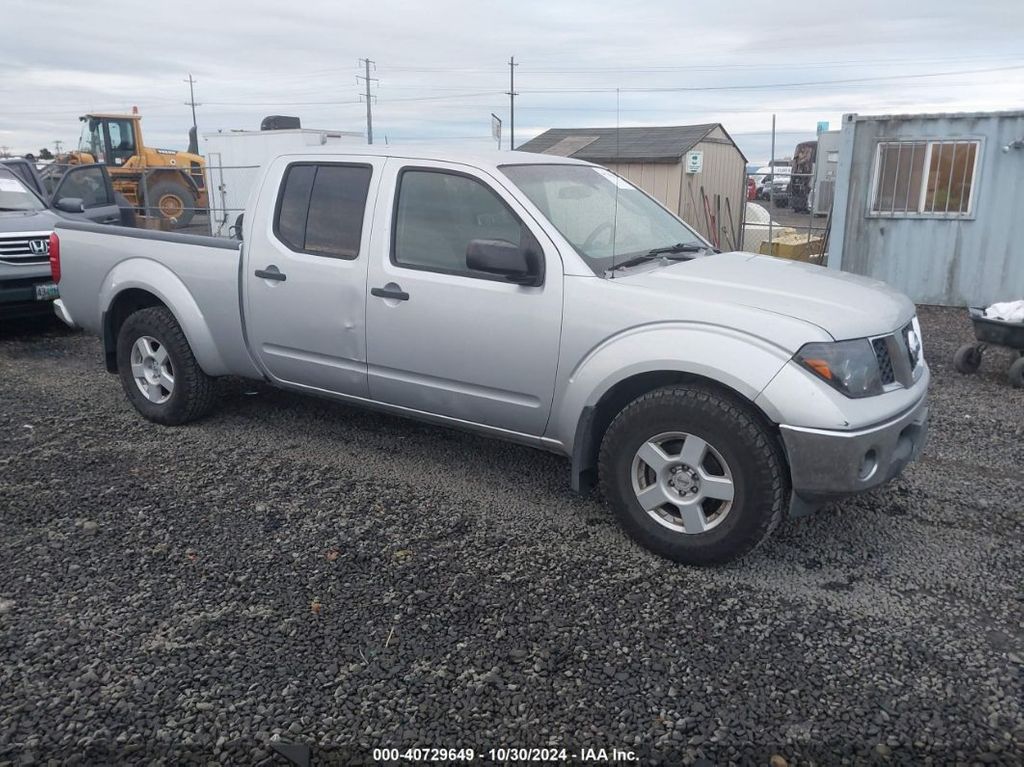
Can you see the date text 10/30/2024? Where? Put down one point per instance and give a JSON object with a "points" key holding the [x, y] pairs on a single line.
{"points": [[502, 754]]}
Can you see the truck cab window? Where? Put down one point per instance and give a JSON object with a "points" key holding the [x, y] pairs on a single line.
{"points": [[438, 214], [321, 209]]}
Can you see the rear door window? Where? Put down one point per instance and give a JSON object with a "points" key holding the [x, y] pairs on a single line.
{"points": [[321, 207]]}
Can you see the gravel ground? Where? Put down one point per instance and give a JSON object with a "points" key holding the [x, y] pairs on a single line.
{"points": [[351, 580]]}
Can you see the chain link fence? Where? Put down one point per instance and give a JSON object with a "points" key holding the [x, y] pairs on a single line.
{"points": [[789, 202], [202, 200]]}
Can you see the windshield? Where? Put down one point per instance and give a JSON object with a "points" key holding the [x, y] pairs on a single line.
{"points": [[14, 195], [604, 217]]}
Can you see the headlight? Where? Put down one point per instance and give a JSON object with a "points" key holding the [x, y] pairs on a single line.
{"points": [[848, 366]]}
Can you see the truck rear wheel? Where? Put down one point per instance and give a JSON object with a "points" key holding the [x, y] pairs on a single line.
{"points": [[172, 201], [693, 476], [158, 371]]}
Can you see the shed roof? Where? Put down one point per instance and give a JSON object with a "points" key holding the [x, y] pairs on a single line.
{"points": [[646, 144]]}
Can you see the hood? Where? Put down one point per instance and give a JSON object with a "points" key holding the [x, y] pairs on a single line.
{"points": [[843, 305], [27, 220]]}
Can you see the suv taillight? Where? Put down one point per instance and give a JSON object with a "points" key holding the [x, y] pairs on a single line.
{"points": [[55, 257]]}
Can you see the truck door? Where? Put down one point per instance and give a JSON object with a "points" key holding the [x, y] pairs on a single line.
{"points": [[441, 337], [120, 139], [89, 184], [305, 272]]}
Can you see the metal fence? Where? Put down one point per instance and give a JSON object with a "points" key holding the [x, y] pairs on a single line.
{"points": [[789, 205], [790, 218], [208, 200]]}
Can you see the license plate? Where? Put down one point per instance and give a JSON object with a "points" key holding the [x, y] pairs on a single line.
{"points": [[46, 292]]}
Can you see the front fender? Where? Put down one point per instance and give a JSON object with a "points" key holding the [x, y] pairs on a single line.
{"points": [[153, 277], [739, 361]]}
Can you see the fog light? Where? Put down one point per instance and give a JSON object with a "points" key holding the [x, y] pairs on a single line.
{"points": [[868, 465]]}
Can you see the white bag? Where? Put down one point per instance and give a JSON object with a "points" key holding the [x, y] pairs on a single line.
{"points": [[1008, 311]]}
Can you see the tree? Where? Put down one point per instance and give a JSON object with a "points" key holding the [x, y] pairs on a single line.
{"points": [[45, 154]]}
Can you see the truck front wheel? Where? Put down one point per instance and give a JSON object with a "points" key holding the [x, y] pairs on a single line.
{"points": [[158, 371], [692, 475], [172, 202]]}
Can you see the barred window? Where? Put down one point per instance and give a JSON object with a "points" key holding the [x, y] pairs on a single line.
{"points": [[932, 178]]}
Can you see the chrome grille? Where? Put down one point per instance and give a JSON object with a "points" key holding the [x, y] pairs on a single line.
{"points": [[899, 355], [24, 249], [913, 350], [881, 347]]}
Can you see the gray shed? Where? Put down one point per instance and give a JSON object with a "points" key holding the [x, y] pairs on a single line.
{"points": [[933, 204], [657, 159]]}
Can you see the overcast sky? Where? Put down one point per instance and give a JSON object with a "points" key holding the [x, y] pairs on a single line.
{"points": [[442, 65]]}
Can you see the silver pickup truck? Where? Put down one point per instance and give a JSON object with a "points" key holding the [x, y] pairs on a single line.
{"points": [[535, 299]]}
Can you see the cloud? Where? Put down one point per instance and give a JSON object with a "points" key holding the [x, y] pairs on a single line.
{"points": [[442, 65]]}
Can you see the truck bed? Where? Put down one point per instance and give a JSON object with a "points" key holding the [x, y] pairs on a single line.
{"points": [[195, 275]]}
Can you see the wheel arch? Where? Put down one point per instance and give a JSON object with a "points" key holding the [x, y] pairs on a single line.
{"points": [[133, 285], [735, 363], [597, 417]]}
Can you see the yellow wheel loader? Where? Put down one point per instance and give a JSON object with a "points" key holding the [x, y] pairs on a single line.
{"points": [[160, 183]]}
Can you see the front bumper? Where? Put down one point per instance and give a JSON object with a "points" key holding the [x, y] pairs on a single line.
{"points": [[826, 464]]}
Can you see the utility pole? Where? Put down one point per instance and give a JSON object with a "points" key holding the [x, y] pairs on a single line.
{"points": [[512, 102], [771, 189], [58, 144], [192, 100], [369, 98]]}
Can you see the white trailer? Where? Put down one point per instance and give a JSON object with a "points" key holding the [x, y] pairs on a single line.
{"points": [[234, 159]]}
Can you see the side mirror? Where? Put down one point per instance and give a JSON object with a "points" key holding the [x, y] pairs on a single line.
{"points": [[70, 204], [504, 259], [235, 230]]}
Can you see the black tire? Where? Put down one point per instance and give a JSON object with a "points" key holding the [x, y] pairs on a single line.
{"points": [[967, 359], [1016, 373], [748, 447], [193, 394], [170, 188]]}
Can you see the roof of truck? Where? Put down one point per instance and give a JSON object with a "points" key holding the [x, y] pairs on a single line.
{"points": [[489, 158]]}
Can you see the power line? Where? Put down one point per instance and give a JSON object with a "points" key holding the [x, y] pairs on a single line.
{"points": [[703, 67], [764, 86], [452, 96], [763, 66], [277, 103]]}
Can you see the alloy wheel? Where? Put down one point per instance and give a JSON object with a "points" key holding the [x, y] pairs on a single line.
{"points": [[682, 482]]}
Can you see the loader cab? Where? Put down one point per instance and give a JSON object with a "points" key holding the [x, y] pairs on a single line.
{"points": [[111, 139]]}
